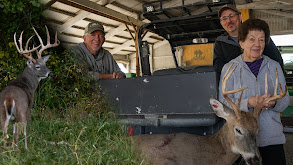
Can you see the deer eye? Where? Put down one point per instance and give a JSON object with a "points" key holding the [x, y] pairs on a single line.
{"points": [[238, 131], [38, 67]]}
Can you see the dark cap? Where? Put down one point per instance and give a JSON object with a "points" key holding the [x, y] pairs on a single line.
{"points": [[93, 26], [225, 7]]}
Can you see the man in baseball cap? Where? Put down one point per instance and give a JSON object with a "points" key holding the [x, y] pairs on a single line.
{"points": [[230, 19], [97, 62]]}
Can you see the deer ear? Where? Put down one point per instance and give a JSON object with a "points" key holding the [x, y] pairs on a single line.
{"points": [[29, 63], [221, 110], [46, 58]]}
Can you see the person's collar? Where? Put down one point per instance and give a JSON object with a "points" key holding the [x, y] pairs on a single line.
{"points": [[90, 51], [100, 53], [235, 39]]}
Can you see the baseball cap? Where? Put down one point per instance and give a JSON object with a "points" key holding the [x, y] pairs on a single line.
{"points": [[93, 26], [227, 6]]}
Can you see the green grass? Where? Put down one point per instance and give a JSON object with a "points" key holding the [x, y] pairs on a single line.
{"points": [[71, 137]]}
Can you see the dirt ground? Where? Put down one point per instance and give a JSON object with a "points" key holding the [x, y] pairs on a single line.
{"points": [[289, 148]]}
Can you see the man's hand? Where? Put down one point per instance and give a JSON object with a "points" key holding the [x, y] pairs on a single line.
{"points": [[114, 75], [117, 75]]}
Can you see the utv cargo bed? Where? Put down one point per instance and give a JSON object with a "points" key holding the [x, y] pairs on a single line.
{"points": [[178, 100]]}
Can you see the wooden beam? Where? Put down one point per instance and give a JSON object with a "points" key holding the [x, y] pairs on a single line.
{"points": [[95, 8], [161, 43], [81, 15], [121, 57], [48, 4], [129, 32], [266, 4], [199, 10], [115, 31], [126, 44], [118, 48], [282, 32], [279, 13]]}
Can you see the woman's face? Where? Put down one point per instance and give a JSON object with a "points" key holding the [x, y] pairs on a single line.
{"points": [[253, 45]]}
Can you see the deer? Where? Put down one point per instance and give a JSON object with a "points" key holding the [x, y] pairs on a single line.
{"points": [[17, 98], [236, 137]]}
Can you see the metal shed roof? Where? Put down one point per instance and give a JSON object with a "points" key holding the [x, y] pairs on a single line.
{"points": [[70, 17]]}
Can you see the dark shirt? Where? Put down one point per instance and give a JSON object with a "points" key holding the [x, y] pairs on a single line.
{"points": [[254, 66]]}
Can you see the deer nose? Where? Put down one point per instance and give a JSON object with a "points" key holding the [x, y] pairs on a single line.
{"points": [[50, 74], [254, 161]]}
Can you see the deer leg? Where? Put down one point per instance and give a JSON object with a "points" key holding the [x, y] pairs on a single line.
{"points": [[17, 129], [15, 135], [5, 129], [25, 133], [5, 136]]}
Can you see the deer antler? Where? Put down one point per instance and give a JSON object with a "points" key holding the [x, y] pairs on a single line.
{"points": [[225, 92], [56, 43], [26, 51], [275, 97]]}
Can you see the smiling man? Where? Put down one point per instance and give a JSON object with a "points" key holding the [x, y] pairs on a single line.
{"points": [[97, 62], [227, 47]]}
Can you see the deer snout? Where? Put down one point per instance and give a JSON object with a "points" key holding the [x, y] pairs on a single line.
{"points": [[50, 75], [253, 161]]}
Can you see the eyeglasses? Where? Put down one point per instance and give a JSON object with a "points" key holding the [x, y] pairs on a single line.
{"points": [[101, 36], [232, 15]]}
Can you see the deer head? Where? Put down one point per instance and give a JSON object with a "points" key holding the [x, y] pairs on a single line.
{"points": [[38, 66], [242, 125]]}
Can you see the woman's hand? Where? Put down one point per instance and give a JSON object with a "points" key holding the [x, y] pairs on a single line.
{"points": [[252, 101]]}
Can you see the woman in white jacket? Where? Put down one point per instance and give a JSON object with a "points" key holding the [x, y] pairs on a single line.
{"points": [[250, 72]]}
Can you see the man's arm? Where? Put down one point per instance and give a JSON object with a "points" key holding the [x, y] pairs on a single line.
{"points": [[218, 61], [117, 73]]}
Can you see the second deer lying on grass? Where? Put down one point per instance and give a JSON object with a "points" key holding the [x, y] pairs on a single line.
{"points": [[237, 136], [16, 100]]}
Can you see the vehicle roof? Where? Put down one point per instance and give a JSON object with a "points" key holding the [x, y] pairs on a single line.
{"points": [[182, 30]]}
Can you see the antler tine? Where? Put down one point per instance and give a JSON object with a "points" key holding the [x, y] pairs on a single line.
{"points": [[26, 45], [26, 51], [20, 40], [276, 96], [225, 92], [225, 79], [276, 84], [49, 45]]}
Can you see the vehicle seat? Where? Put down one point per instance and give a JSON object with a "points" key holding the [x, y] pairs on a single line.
{"points": [[186, 70]]}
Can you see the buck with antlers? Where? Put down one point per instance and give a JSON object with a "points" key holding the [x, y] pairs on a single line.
{"points": [[16, 100], [237, 136]]}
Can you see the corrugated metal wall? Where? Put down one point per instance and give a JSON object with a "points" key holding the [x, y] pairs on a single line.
{"points": [[278, 24]]}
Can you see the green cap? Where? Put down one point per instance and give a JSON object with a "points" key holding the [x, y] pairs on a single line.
{"points": [[227, 6], [93, 26]]}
